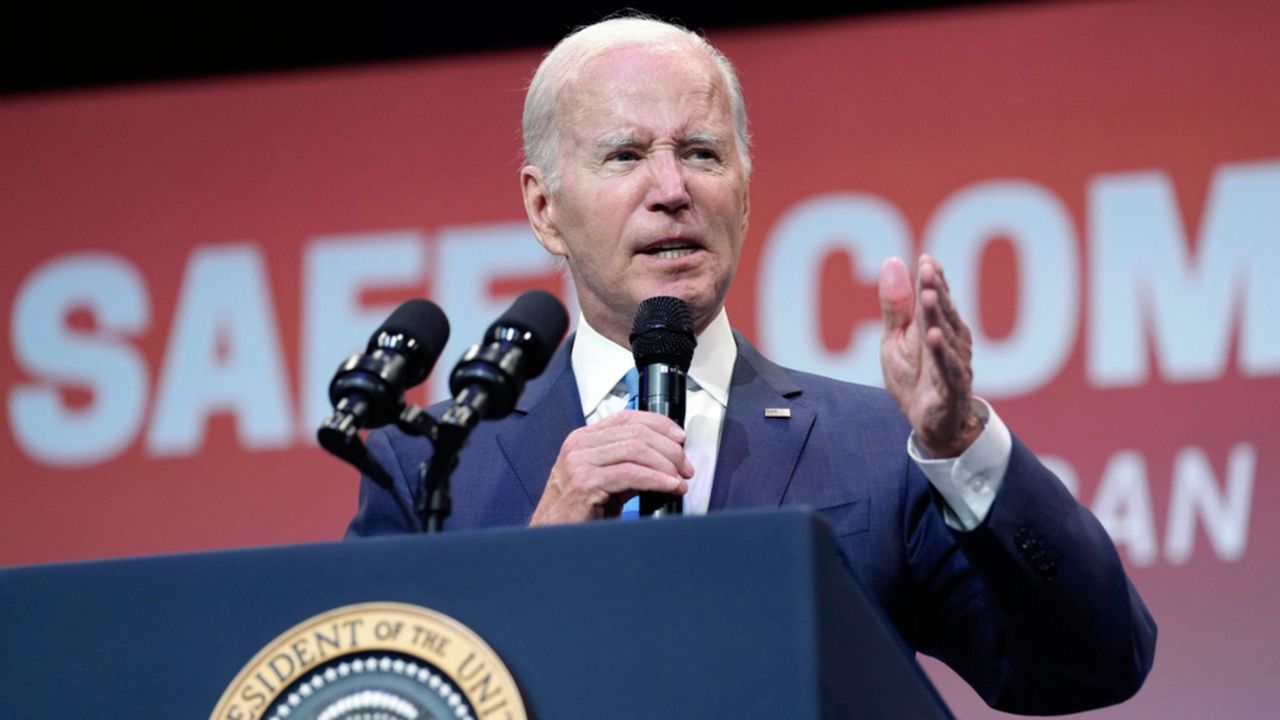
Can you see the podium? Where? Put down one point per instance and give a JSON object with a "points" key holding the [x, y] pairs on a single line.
{"points": [[734, 615]]}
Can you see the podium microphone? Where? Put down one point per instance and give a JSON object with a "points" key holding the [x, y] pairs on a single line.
{"points": [[368, 389], [489, 378], [485, 384], [662, 342]]}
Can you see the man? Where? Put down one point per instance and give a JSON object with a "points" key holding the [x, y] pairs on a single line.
{"points": [[637, 176]]}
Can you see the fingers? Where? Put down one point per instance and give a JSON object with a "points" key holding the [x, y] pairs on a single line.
{"points": [[629, 437], [939, 310], [651, 439], [953, 374], [607, 462], [940, 315], [899, 301], [622, 444], [897, 297], [947, 337], [658, 423]]}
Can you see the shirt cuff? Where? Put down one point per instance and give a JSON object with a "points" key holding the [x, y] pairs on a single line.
{"points": [[968, 483]]}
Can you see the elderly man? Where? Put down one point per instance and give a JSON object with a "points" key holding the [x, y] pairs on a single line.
{"points": [[637, 176]]}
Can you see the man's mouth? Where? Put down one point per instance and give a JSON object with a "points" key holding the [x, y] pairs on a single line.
{"points": [[672, 251]]}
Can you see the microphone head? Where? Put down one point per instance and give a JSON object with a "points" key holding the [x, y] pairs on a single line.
{"points": [[418, 329], [663, 333], [540, 322]]}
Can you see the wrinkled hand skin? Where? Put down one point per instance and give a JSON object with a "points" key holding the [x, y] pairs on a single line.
{"points": [[925, 353], [603, 465]]}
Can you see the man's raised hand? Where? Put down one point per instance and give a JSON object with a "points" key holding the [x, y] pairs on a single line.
{"points": [[925, 353]]}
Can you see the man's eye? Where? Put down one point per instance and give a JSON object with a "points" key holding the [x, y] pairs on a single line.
{"points": [[704, 154], [624, 156]]}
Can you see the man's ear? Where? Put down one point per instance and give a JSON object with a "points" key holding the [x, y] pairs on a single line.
{"points": [[540, 207]]}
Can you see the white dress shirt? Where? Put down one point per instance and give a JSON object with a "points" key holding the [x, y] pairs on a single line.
{"points": [[968, 483]]}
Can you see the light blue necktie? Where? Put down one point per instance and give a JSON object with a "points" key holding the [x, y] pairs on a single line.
{"points": [[631, 510]]}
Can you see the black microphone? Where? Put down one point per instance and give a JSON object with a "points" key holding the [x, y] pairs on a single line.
{"points": [[662, 342], [368, 389], [485, 384], [489, 378]]}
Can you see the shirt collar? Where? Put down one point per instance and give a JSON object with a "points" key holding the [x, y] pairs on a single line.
{"points": [[598, 362]]}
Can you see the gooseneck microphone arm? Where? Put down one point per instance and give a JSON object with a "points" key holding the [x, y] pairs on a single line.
{"points": [[368, 389]]}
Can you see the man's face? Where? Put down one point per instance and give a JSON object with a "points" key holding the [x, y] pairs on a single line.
{"points": [[652, 197]]}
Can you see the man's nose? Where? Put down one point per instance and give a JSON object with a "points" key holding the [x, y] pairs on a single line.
{"points": [[668, 193]]}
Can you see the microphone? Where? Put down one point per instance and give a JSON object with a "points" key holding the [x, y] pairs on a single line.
{"points": [[662, 342], [368, 389], [489, 378], [485, 384]]}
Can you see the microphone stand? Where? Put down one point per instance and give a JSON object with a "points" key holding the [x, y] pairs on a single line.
{"points": [[447, 436], [340, 437]]}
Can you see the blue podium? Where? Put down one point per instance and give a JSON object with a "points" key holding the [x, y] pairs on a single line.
{"points": [[734, 615]]}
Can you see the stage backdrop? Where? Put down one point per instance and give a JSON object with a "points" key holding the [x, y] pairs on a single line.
{"points": [[186, 264]]}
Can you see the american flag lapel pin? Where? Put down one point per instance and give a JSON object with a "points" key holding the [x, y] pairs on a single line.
{"points": [[777, 412]]}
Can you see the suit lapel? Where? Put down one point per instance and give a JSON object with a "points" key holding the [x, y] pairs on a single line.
{"points": [[758, 454], [551, 410]]}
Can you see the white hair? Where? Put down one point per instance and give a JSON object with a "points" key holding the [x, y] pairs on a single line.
{"points": [[567, 58]]}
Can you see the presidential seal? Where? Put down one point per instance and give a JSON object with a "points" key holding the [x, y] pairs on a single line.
{"points": [[374, 661]]}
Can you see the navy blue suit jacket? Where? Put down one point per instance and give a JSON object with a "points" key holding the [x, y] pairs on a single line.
{"points": [[1033, 608]]}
